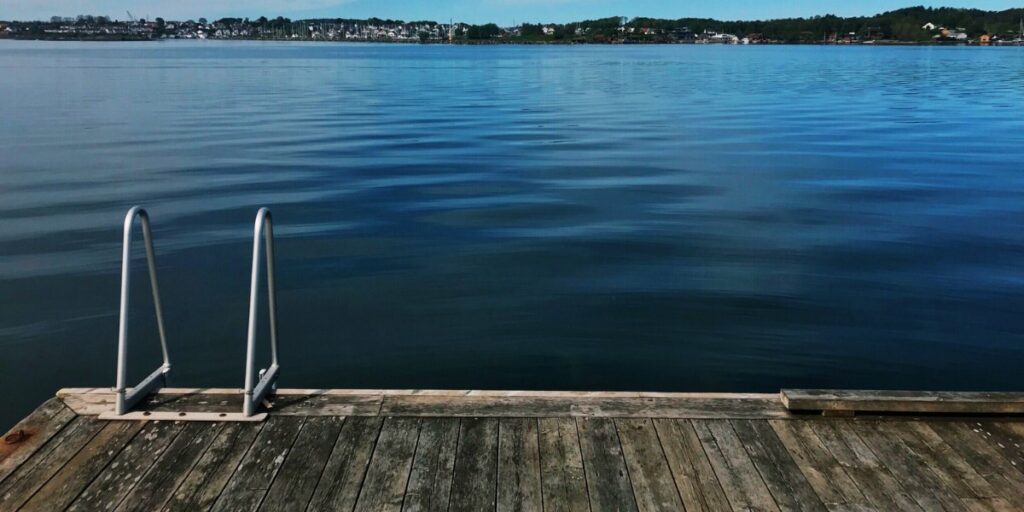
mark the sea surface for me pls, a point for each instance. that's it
(681, 218)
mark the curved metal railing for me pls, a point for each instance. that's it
(127, 398)
(256, 391)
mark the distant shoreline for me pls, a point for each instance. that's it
(512, 43)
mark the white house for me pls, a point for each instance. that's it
(929, 26)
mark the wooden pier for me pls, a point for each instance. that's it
(415, 450)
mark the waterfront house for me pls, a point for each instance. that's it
(984, 39)
(929, 26)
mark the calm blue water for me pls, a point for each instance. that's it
(658, 218)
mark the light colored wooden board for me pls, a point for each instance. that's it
(207, 417)
(778, 471)
(445, 403)
(563, 479)
(649, 472)
(882, 489)
(695, 478)
(740, 479)
(914, 474)
(903, 401)
(829, 479)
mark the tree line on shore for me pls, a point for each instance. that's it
(912, 24)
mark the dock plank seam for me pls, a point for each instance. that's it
(412, 463)
(184, 475)
(455, 461)
(583, 463)
(291, 447)
(10, 482)
(334, 445)
(95, 476)
(632, 488)
(238, 465)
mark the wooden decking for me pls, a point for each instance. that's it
(430, 450)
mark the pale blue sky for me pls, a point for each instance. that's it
(503, 12)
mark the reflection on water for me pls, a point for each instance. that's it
(659, 218)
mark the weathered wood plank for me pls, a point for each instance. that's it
(476, 466)
(954, 472)
(46, 462)
(74, 476)
(121, 475)
(282, 403)
(736, 472)
(828, 478)
(298, 477)
(1008, 437)
(587, 406)
(342, 478)
(171, 468)
(257, 470)
(873, 479)
(984, 456)
(388, 473)
(778, 471)
(913, 473)
(695, 478)
(903, 401)
(430, 481)
(563, 480)
(207, 478)
(651, 478)
(31, 433)
(519, 487)
(607, 475)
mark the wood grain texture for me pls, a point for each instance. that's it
(388, 473)
(572, 452)
(476, 466)
(740, 479)
(45, 463)
(65, 486)
(125, 470)
(563, 478)
(207, 478)
(903, 401)
(170, 469)
(430, 481)
(260, 465)
(32, 433)
(519, 487)
(298, 477)
(649, 472)
(607, 475)
(338, 488)
(695, 478)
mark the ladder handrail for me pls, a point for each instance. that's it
(255, 392)
(126, 398)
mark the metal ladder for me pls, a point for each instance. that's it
(254, 391)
